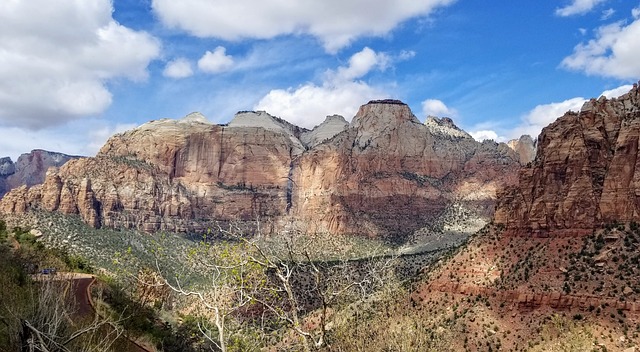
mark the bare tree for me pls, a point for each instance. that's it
(52, 323)
(289, 285)
(226, 279)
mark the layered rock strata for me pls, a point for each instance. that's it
(384, 175)
(586, 172)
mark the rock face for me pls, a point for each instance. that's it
(525, 147)
(30, 169)
(331, 126)
(586, 172)
(385, 174)
(390, 174)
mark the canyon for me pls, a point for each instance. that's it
(383, 175)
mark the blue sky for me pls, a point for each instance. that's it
(73, 74)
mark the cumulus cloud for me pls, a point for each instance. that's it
(435, 107)
(636, 13)
(340, 93)
(616, 92)
(230, 20)
(216, 61)
(578, 7)
(481, 135)
(178, 68)
(54, 63)
(613, 52)
(541, 116)
(360, 64)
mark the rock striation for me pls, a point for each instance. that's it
(390, 174)
(585, 174)
(30, 168)
(385, 174)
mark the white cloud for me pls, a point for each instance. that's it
(481, 135)
(542, 115)
(100, 134)
(360, 64)
(178, 68)
(54, 63)
(616, 92)
(340, 93)
(635, 13)
(216, 61)
(606, 14)
(308, 105)
(435, 107)
(613, 53)
(334, 22)
(578, 7)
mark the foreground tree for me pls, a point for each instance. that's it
(52, 322)
(253, 285)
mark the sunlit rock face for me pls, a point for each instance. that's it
(525, 147)
(585, 173)
(30, 169)
(390, 174)
(385, 174)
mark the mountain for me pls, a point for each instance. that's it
(557, 269)
(30, 168)
(585, 173)
(384, 175)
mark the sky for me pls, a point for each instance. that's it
(73, 74)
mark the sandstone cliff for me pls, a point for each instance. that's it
(384, 174)
(390, 174)
(525, 147)
(30, 168)
(585, 173)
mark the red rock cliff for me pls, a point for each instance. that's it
(586, 172)
(385, 174)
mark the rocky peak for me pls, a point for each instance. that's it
(330, 127)
(382, 114)
(261, 119)
(30, 169)
(194, 117)
(445, 126)
(7, 167)
(379, 117)
(525, 147)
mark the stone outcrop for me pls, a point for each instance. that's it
(331, 126)
(384, 174)
(586, 172)
(525, 147)
(30, 169)
(445, 126)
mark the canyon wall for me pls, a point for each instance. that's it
(585, 174)
(385, 174)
